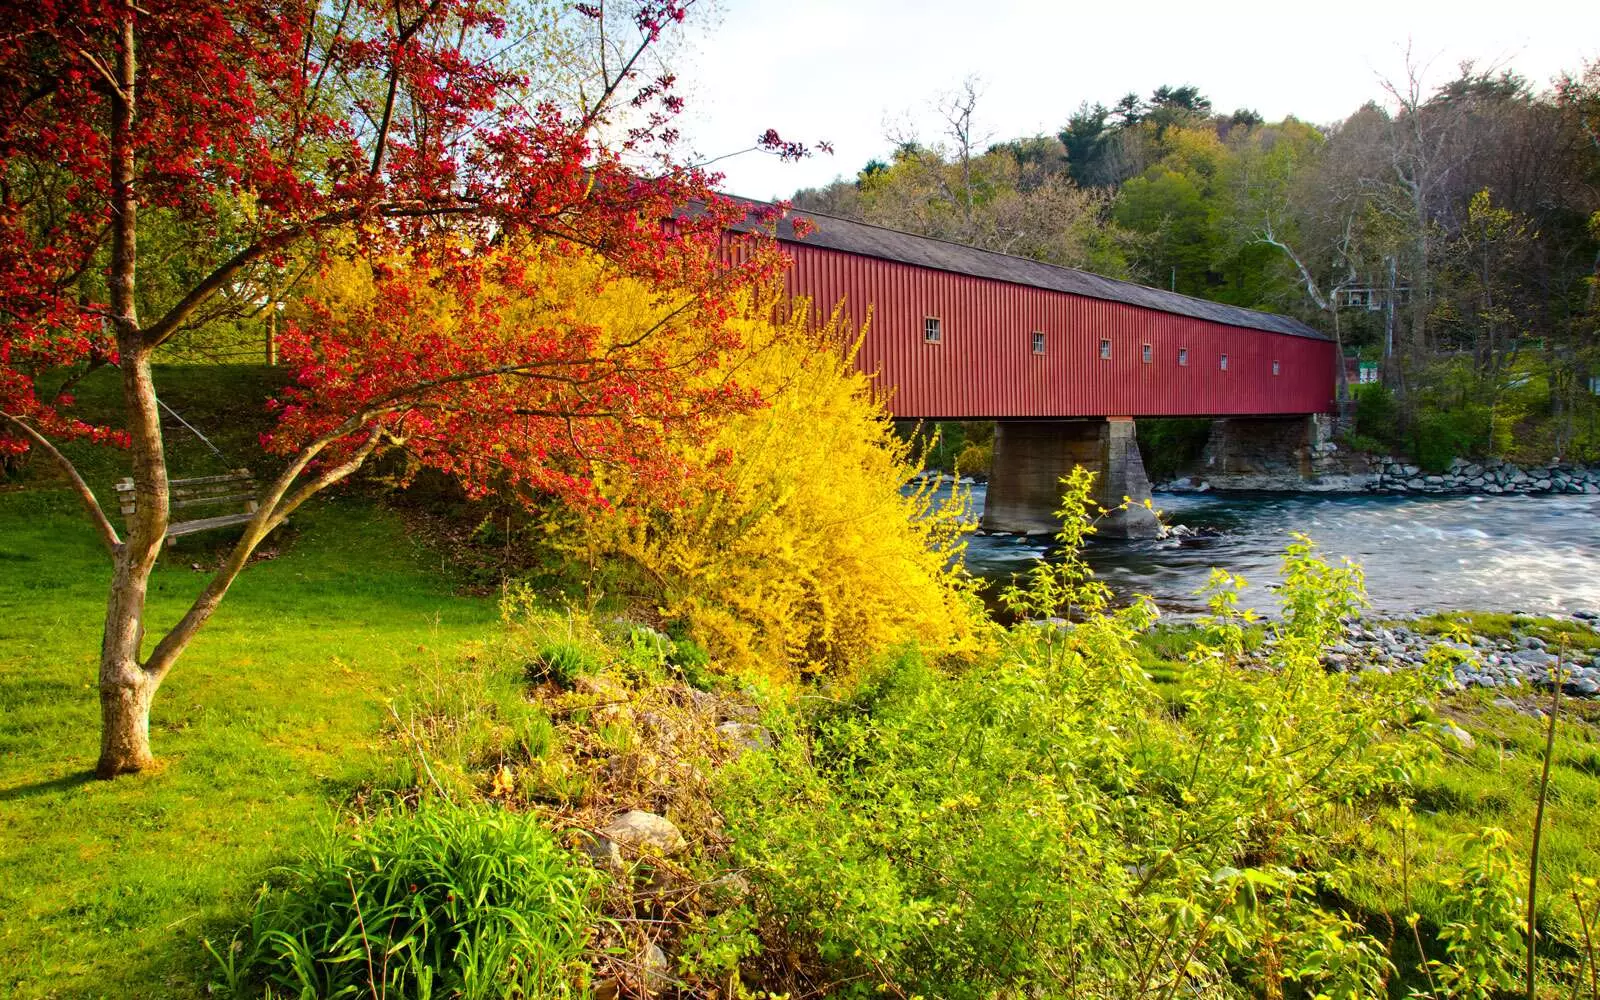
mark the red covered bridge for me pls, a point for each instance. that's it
(1062, 359)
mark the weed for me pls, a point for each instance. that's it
(445, 901)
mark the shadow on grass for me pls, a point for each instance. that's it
(34, 788)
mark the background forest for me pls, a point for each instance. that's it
(1448, 235)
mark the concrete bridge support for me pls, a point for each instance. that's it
(1031, 456)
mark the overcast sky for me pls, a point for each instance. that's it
(841, 70)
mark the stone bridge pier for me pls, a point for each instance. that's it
(1273, 453)
(1031, 456)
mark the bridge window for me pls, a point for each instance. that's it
(1224, 364)
(931, 334)
(1183, 357)
(1105, 350)
(1038, 342)
(1148, 354)
(1275, 368)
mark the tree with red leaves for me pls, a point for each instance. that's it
(391, 131)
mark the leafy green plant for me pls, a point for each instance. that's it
(693, 661)
(1377, 414)
(1064, 586)
(1437, 436)
(562, 661)
(1043, 822)
(1483, 938)
(441, 902)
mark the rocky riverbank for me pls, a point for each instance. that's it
(1492, 477)
(1518, 660)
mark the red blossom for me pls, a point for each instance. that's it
(257, 124)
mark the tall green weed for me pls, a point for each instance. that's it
(443, 901)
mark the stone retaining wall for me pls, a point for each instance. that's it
(1493, 476)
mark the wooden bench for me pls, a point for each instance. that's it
(236, 489)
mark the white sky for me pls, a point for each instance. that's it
(840, 70)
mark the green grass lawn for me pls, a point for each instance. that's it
(269, 722)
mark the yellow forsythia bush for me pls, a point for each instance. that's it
(803, 554)
(788, 547)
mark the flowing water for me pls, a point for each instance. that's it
(1508, 553)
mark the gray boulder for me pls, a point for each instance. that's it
(1461, 736)
(746, 735)
(635, 834)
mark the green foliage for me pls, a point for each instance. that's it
(1484, 908)
(693, 661)
(1169, 445)
(1438, 436)
(441, 902)
(1046, 822)
(1170, 208)
(1066, 585)
(562, 661)
(1376, 414)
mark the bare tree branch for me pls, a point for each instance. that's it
(268, 517)
(102, 524)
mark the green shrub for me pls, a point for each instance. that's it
(1045, 824)
(1361, 442)
(562, 661)
(1377, 415)
(694, 662)
(1485, 909)
(441, 902)
(1437, 436)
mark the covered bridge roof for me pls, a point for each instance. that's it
(843, 235)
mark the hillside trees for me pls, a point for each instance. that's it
(1014, 197)
(265, 139)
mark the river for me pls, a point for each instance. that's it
(1538, 554)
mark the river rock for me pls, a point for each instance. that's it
(654, 969)
(1461, 736)
(634, 834)
(725, 892)
(746, 735)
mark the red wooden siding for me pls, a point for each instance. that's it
(984, 366)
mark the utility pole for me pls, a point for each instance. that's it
(1388, 323)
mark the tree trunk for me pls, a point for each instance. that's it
(126, 690)
(126, 687)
